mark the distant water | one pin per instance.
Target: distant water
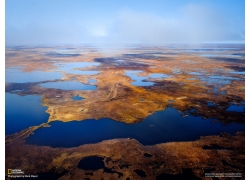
(72, 68)
(162, 126)
(13, 75)
(22, 112)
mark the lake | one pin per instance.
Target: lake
(163, 126)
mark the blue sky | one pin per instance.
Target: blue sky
(43, 22)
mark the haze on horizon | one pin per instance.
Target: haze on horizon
(46, 22)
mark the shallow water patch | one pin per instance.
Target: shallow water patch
(77, 98)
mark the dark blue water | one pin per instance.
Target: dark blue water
(158, 76)
(17, 76)
(68, 85)
(77, 98)
(236, 108)
(22, 112)
(162, 126)
(210, 104)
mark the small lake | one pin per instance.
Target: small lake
(22, 112)
(77, 98)
(72, 68)
(68, 85)
(13, 75)
(163, 126)
(143, 80)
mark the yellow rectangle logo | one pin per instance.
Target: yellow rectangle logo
(9, 171)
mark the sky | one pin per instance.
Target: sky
(48, 22)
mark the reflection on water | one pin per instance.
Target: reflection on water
(67, 85)
(162, 126)
(17, 76)
(22, 112)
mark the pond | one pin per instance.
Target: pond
(143, 80)
(77, 98)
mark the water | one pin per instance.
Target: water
(91, 163)
(13, 75)
(22, 112)
(158, 76)
(222, 55)
(236, 108)
(77, 98)
(64, 52)
(163, 126)
(67, 85)
(210, 104)
(139, 80)
(215, 79)
(70, 68)
(238, 72)
(223, 77)
(143, 80)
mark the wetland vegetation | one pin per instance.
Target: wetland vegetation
(140, 113)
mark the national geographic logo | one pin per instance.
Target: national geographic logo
(15, 171)
(18, 173)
